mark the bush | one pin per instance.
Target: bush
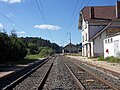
(46, 51)
(33, 48)
(101, 58)
(109, 59)
(112, 59)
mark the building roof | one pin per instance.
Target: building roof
(70, 44)
(103, 15)
(101, 31)
(100, 12)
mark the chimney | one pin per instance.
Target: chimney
(118, 10)
(91, 12)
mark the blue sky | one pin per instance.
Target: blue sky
(59, 17)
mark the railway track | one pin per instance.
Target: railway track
(117, 75)
(91, 78)
(61, 73)
(33, 79)
(60, 78)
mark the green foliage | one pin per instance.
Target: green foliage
(56, 48)
(45, 51)
(39, 42)
(112, 59)
(109, 59)
(14, 49)
(33, 57)
(33, 48)
(101, 58)
(5, 46)
(11, 48)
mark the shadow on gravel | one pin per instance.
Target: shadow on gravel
(13, 66)
(20, 69)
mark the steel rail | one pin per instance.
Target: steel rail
(80, 85)
(116, 74)
(20, 79)
(97, 77)
(104, 69)
(41, 84)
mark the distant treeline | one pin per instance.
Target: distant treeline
(13, 48)
(37, 43)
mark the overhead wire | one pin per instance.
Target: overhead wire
(11, 21)
(79, 10)
(71, 19)
(41, 10)
(69, 26)
(82, 4)
(77, 14)
(74, 18)
(45, 19)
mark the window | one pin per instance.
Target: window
(105, 41)
(83, 38)
(108, 40)
(111, 40)
(86, 37)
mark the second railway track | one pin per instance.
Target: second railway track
(91, 78)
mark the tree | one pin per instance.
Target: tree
(39, 42)
(11, 48)
(33, 48)
(46, 51)
(5, 46)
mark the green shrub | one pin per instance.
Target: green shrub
(112, 59)
(46, 51)
(109, 59)
(101, 58)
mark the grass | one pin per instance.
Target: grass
(28, 59)
(112, 59)
(35, 56)
(71, 54)
(101, 58)
(109, 59)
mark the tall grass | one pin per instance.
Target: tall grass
(109, 59)
(35, 56)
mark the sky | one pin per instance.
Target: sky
(54, 20)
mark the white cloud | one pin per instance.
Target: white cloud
(11, 1)
(49, 27)
(1, 26)
(21, 32)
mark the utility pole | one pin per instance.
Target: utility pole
(69, 36)
(70, 41)
(63, 47)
